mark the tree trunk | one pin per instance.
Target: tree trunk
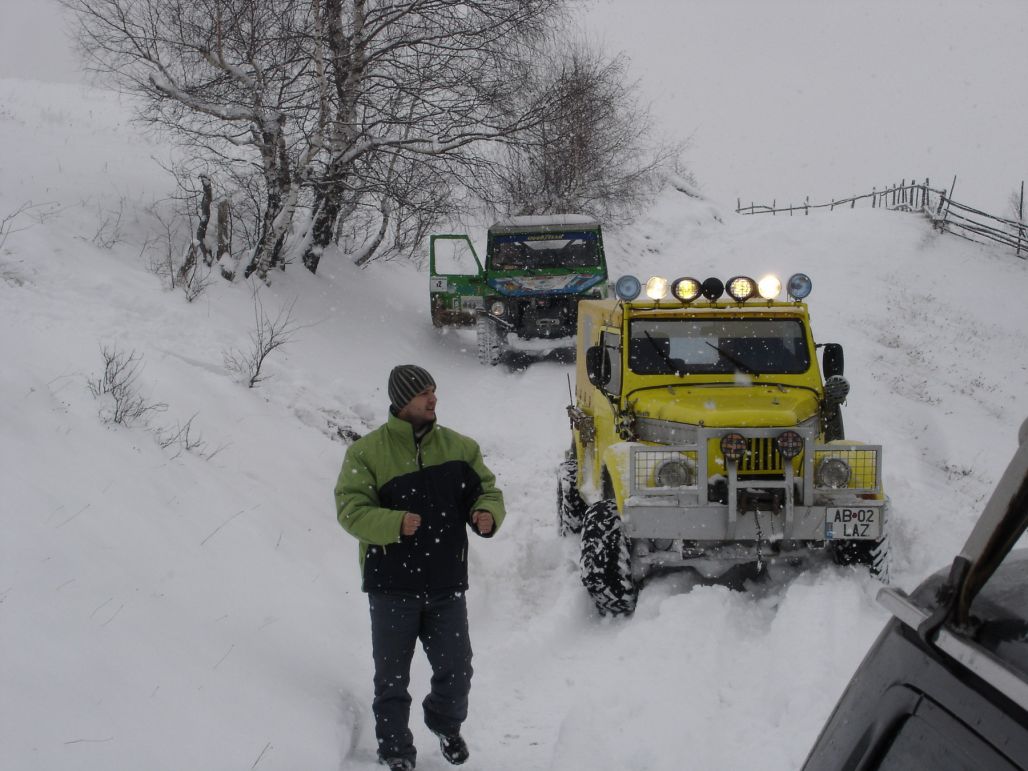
(328, 203)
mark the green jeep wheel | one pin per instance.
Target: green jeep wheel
(491, 341)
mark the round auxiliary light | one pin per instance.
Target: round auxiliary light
(733, 447)
(686, 289)
(656, 288)
(741, 288)
(833, 472)
(769, 287)
(790, 444)
(627, 288)
(712, 288)
(498, 308)
(799, 286)
(674, 473)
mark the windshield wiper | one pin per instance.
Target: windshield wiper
(663, 355)
(743, 366)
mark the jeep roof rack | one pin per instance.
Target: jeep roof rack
(542, 222)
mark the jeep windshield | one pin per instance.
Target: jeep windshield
(718, 345)
(531, 251)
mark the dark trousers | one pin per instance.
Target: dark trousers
(440, 621)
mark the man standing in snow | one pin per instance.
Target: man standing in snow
(409, 491)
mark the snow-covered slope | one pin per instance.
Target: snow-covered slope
(165, 608)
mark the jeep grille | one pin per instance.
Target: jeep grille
(761, 456)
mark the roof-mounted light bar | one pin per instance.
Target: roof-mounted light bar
(687, 289)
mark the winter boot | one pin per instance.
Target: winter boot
(454, 748)
(397, 764)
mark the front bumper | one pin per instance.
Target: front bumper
(768, 500)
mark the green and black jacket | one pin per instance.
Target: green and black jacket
(442, 478)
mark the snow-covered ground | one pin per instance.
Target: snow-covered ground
(165, 608)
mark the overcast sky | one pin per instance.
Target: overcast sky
(771, 95)
(33, 42)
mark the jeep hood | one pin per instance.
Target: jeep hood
(754, 406)
(518, 286)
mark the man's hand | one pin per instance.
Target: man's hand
(483, 520)
(411, 523)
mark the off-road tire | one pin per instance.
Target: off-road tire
(491, 341)
(605, 563)
(874, 554)
(570, 506)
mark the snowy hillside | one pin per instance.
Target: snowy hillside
(198, 607)
(166, 608)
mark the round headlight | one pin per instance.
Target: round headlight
(799, 286)
(712, 288)
(498, 308)
(627, 288)
(741, 288)
(674, 473)
(790, 444)
(769, 287)
(733, 446)
(686, 289)
(656, 288)
(833, 472)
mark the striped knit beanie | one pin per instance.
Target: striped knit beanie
(405, 382)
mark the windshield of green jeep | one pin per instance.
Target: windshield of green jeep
(712, 346)
(530, 251)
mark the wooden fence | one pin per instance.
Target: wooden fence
(938, 205)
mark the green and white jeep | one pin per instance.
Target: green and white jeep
(536, 270)
(706, 437)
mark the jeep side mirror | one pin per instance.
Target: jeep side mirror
(595, 359)
(832, 360)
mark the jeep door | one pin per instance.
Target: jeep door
(456, 280)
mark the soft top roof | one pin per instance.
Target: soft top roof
(543, 222)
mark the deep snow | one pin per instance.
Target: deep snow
(170, 609)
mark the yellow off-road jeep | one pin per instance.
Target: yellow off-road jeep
(706, 437)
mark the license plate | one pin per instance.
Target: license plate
(853, 522)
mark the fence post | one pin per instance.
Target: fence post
(1020, 219)
(949, 198)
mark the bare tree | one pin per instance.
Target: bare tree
(411, 83)
(593, 151)
(118, 389)
(340, 107)
(269, 335)
(231, 78)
